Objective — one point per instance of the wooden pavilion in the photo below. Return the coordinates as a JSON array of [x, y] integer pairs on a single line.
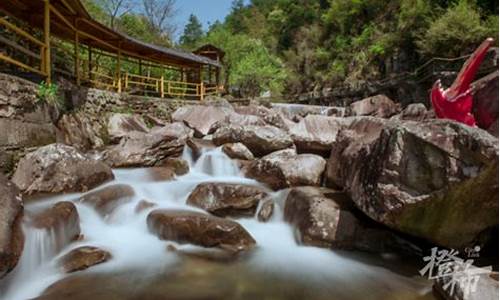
[[33, 31]]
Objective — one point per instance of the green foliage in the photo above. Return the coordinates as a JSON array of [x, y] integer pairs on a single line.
[[248, 64], [457, 32], [193, 33], [48, 93]]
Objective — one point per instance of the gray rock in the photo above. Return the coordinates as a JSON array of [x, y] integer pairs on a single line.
[[59, 168]]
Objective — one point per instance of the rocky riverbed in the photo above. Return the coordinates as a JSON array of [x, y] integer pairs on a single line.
[[249, 202]]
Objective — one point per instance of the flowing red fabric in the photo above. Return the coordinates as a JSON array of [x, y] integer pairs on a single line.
[[456, 102]]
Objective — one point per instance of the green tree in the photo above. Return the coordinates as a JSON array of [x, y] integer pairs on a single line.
[[248, 65], [193, 33], [456, 32]]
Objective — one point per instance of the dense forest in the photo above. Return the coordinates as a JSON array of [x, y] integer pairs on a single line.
[[293, 46]]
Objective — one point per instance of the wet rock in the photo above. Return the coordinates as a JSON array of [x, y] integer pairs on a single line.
[[83, 258], [316, 134], [178, 165], [327, 218], [197, 145], [11, 233], [119, 125], [61, 221], [169, 169], [199, 229], [139, 149], [285, 168], [260, 140], [201, 118], [143, 205], [377, 106], [224, 199], [266, 210], [237, 151], [436, 179], [59, 168], [107, 199]]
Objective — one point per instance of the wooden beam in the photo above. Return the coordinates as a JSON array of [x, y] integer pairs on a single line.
[[118, 70], [19, 48], [46, 38], [21, 32], [77, 55], [20, 64], [68, 7]]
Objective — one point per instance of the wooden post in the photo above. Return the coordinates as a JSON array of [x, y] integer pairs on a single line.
[[118, 70], [46, 39], [202, 91], [126, 81], [162, 91], [90, 62], [77, 56]]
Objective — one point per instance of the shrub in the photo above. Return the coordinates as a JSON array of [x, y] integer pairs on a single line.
[[49, 93]]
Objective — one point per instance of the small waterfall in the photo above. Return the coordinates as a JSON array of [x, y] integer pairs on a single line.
[[215, 163], [136, 251], [35, 266]]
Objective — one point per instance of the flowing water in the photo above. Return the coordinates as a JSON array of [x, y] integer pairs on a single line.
[[142, 268]]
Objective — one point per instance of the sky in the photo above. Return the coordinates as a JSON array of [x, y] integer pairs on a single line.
[[207, 11]]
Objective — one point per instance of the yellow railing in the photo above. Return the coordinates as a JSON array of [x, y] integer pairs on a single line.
[[40, 56]]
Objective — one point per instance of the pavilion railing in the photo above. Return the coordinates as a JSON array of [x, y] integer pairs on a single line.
[[29, 41]]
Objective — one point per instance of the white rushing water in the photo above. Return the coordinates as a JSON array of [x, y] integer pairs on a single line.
[[125, 235]]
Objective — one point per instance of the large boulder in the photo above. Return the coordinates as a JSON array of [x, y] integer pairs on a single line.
[[316, 134], [295, 111], [414, 112], [261, 140], [485, 108], [223, 199], [269, 116], [109, 198], [83, 258], [201, 118], [169, 169], [377, 106], [436, 179], [139, 149], [59, 168], [61, 221], [82, 130], [199, 229], [11, 233], [328, 218], [285, 168], [350, 142], [119, 125]]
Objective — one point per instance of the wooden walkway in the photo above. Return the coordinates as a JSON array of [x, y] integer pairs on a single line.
[[48, 37]]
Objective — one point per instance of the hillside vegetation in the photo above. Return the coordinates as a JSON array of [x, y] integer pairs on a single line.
[[293, 46]]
